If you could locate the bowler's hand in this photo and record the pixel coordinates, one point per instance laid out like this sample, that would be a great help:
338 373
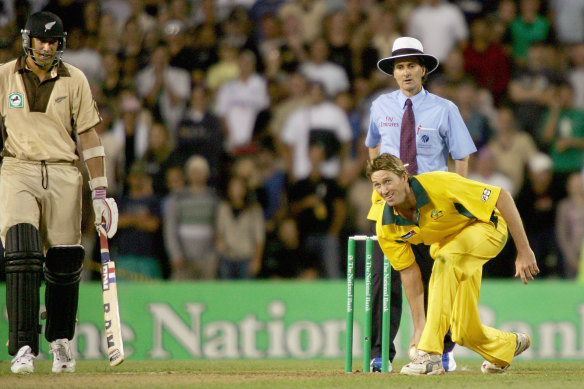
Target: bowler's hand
526 266
106 212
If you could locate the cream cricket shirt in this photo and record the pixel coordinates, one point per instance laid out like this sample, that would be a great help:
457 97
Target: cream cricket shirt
40 119
446 203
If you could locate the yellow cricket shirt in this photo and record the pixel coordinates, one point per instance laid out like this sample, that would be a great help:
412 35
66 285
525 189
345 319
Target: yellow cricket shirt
445 202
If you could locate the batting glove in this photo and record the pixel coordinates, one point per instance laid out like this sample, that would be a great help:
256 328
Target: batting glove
106 212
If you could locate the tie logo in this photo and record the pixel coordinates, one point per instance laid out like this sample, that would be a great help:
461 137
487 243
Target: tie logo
49 25
15 100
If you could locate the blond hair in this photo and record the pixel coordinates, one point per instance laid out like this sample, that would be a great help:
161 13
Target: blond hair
386 161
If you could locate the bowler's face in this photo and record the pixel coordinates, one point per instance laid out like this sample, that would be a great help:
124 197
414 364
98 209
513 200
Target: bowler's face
391 187
408 73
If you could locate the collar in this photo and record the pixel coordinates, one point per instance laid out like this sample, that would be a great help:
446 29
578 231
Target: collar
60 69
392 217
416 99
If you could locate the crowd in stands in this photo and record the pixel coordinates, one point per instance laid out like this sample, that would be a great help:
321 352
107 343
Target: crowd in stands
234 129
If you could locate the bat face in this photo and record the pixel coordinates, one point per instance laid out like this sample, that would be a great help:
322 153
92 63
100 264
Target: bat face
113 330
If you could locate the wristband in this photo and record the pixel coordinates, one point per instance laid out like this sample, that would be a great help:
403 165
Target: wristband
97 182
99 194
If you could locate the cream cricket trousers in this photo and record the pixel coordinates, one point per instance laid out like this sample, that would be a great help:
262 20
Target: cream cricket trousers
48 197
453 295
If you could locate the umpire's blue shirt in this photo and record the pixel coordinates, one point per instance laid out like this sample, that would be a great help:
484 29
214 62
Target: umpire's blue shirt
440 129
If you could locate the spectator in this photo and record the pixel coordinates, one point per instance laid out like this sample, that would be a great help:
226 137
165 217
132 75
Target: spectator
83 56
512 148
239 102
570 225
563 133
240 232
296 96
108 34
568 20
111 85
137 242
158 157
164 89
114 149
131 129
440 25
466 97
483 168
385 29
182 55
576 74
274 181
318 204
200 133
529 27
537 202
319 69
138 12
531 87
337 35
284 257
189 225
321 119
226 69
309 13
486 60
206 49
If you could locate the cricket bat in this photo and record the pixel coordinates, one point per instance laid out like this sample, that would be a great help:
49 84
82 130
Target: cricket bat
113 328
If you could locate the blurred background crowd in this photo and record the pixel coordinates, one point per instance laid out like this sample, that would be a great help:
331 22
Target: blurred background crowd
234 129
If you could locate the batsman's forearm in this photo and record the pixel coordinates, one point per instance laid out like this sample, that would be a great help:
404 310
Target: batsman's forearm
95 166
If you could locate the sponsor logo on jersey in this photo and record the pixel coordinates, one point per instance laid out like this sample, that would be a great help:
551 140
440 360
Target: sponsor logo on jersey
408 235
486 195
16 100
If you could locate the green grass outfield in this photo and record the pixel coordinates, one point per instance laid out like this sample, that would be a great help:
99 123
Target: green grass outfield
286 374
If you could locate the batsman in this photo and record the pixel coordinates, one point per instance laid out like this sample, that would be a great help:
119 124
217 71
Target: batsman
47 108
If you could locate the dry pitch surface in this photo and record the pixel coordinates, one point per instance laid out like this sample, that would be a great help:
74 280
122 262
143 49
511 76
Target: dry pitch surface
286 374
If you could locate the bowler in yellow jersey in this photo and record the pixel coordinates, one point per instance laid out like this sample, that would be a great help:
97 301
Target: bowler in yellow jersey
465 224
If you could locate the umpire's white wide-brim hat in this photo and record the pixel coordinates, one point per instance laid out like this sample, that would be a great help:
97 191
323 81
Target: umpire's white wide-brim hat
407 47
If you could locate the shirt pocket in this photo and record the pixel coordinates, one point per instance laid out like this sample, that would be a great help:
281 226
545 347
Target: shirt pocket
427 141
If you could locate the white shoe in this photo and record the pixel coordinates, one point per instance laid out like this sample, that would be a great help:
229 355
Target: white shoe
523 343
23 362
424 364
63 361
448 362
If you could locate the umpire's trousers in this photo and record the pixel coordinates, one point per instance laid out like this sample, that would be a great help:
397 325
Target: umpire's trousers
425 262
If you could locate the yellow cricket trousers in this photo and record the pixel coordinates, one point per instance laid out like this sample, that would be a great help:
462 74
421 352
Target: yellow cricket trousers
453 295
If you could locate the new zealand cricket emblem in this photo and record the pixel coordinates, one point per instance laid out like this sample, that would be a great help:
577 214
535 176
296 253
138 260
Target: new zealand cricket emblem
15 100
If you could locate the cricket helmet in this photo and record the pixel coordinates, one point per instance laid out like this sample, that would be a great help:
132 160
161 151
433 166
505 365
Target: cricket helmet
44 25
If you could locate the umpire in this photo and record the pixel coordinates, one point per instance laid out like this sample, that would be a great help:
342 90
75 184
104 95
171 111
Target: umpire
46 107
421 129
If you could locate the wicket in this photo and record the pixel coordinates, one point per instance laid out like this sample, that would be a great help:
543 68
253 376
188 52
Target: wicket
368 312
